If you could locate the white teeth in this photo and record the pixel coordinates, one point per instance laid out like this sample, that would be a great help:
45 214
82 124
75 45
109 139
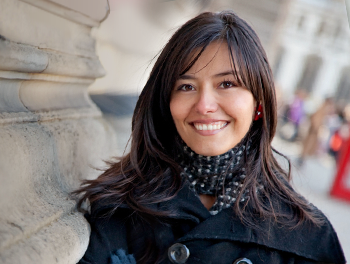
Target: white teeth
211 126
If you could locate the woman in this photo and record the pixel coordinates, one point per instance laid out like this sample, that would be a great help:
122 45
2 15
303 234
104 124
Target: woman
201 184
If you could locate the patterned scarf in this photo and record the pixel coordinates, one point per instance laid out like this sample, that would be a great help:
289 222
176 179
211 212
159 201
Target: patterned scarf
220 176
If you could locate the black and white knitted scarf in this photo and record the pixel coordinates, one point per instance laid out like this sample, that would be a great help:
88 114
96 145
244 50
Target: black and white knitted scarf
220 176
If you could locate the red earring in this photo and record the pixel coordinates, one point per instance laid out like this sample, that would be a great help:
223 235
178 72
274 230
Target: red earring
258 113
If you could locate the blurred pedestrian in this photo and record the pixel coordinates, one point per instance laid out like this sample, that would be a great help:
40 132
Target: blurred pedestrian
311 141
335 144
292 117
296 113
339 134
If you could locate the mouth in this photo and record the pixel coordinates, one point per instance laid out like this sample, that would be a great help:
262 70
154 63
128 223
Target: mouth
209 126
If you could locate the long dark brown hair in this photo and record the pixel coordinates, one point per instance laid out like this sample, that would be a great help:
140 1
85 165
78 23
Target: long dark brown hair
149 174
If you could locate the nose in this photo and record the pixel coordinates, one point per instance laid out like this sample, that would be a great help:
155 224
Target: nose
206 102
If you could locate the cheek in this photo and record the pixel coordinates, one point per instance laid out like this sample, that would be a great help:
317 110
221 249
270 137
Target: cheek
173 109
177 112
180 107
242 109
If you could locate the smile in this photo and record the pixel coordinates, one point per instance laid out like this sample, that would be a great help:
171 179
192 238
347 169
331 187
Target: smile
210 126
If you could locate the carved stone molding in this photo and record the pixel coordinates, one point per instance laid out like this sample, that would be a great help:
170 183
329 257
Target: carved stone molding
35 79
21 57
87 12
26 58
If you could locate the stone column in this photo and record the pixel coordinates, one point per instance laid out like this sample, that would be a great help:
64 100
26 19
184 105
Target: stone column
51 134
347 3
290 71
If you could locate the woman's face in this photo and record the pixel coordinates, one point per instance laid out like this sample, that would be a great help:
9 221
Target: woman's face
210 111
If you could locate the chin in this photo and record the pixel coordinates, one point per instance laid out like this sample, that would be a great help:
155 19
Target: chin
209 151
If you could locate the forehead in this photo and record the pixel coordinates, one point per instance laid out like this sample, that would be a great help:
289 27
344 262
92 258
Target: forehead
214 59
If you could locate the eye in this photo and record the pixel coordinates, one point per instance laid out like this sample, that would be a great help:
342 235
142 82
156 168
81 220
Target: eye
185 87
226 84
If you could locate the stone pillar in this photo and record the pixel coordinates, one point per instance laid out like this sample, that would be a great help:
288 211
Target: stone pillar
290 71
51 134
328 78
347 3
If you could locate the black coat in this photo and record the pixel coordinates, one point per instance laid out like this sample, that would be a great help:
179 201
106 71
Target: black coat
203 238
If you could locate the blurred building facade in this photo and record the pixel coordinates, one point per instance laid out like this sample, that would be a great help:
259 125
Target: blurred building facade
313 51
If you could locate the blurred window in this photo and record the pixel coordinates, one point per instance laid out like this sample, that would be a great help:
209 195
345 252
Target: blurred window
338 31
301 22
310 72
321 28
342 95
278 60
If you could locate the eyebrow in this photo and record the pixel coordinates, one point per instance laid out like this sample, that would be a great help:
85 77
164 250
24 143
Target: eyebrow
191 77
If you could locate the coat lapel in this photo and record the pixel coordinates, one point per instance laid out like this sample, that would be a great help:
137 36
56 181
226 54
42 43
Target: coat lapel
186 205
307 240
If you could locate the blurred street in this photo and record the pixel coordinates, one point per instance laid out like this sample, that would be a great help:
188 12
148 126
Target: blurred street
314 180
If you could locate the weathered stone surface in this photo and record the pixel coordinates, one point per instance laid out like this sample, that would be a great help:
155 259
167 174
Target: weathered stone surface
37 219
68 235
96 9
11 75
20 57
39 95
90 17
9 96
25 58
24 23
68 65
51 134
17 117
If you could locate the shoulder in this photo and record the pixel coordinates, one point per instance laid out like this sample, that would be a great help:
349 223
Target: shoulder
318 242
108 233
315 238
269 241
306 239
103 208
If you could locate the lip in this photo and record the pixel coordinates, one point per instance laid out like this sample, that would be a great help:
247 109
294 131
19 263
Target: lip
206 122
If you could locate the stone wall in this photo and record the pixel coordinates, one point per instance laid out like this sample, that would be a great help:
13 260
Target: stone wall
51 134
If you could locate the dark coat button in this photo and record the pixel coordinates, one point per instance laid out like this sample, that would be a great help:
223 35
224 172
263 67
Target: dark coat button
242 261
178 253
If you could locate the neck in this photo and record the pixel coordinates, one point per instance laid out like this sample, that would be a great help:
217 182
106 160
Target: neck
217 180
207 200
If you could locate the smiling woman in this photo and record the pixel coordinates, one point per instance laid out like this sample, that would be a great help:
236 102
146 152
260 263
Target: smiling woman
201 183
211 112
